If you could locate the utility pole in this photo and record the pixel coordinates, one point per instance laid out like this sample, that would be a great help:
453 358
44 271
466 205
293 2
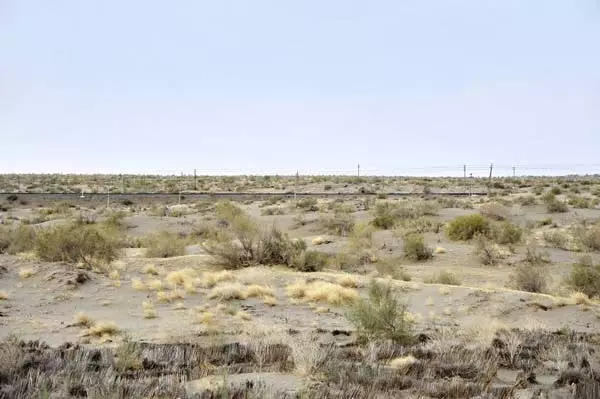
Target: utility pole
296 184
465 171
180 184
195 181
514 172
490 179
358 174
108 198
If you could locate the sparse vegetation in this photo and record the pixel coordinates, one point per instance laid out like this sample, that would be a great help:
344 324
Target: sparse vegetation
443 277
164 245
467 227
77 243
415 248
585 277
382 315
553 204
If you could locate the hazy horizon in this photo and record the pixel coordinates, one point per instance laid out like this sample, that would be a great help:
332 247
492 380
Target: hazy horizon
273 88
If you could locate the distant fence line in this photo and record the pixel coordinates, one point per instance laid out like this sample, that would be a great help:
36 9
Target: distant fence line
93 197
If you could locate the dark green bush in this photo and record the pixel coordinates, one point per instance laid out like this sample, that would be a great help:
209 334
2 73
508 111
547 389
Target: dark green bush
415 248
381 316
164 245
507 233
77 243
585 277
466 227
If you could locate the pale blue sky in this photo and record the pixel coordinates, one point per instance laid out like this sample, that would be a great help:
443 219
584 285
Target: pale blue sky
272 86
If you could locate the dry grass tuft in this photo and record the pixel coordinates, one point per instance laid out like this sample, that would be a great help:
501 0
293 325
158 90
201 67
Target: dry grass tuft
102 329
149 310
321 291
26 273
179 306
227 292
155 285
184 277
243 315
322 309
138 284
206 318
403 364
151 269
579 298
270 301
259 291
348 281
210 279
83 320
3 295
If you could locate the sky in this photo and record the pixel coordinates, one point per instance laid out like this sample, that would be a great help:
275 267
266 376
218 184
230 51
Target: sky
275 87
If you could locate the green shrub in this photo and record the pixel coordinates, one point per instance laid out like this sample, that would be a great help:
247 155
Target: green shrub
241 243
273 210
555 190
77 243
341 223
557 239
534 257
588 238
14 240
381 316
554 205
580 202
443 277
308 204
495 211
526 277
486 251
392 267
164 245
415 248
585 277
466 227
386 215
507 233
309 261
422 225
527 200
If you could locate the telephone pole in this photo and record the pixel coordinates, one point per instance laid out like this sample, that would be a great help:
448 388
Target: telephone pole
358 173
465 171
296 184
490 179
514 172
195 181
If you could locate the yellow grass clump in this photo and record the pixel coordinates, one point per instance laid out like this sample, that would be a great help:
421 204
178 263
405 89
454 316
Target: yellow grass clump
155 285
184 277
206 318
403 364
579 298
440 250
83 320
179 306
321 291
259 291
138 284
102 329
26 273
210 279
151 269
243 315
114 275
3 295
270 301
162 296
322 309
229 291
149 310
348 281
